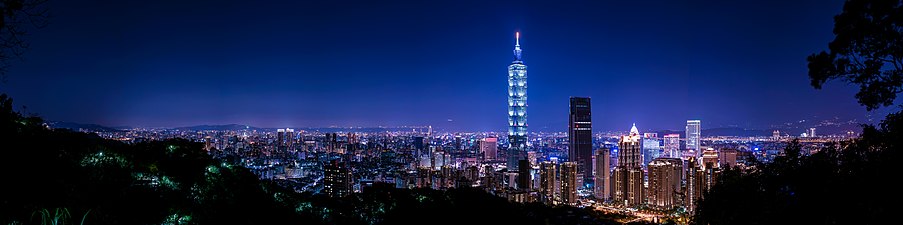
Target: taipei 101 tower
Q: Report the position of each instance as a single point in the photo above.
(517, 107)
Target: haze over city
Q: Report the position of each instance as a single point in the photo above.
(319, 64)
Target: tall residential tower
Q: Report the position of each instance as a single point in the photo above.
(627, 179)
(517, 107)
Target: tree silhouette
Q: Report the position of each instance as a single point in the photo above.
(867, 50)
(840, 183)
(16, 16)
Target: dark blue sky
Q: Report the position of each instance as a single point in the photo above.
(372, 63)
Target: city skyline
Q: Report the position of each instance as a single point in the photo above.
(302, 79)
(391, 112)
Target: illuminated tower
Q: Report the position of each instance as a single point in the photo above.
(693, 138)
(628, 175)
(517, 107)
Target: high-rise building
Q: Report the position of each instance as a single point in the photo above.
(628, 175)
(710, 174)
(331, 142)
(548, 172)
(280, 134)
(337, 180)
(580, 137)
(629, 154)
(524, 175)
(710, 158)
(517, 107)
(424, 177)
(285, 138)
(569, 183)
(672, 145)
(602, 175)
(812, 132)
(489, 147)
(728, 157)
(531, 157)
(693, 133)
(695, 184)
(419, 144)
(651, 148)
(664, 182)
(636, 191)
(458, 148)
(619, 185)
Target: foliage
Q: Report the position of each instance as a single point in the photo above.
(177, 182)
(58, 216)
(143, 183)
(867, 50)
(15, 16)
(384, 204)
(841, 184)
(844, 183)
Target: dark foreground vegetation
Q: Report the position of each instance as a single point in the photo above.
(101, 181)
(851, 183)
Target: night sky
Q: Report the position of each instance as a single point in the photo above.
(440, 63)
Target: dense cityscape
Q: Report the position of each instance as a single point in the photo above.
(384, 112)
(651, 175)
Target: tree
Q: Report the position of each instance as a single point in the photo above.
(16, 16)
(867, 50)
(837, 184)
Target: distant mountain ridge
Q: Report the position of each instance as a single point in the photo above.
(81, 126)
(218, 127)
(320, 129)
(831, 126)
(723, 131)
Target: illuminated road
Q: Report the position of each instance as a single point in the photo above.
(639, 215)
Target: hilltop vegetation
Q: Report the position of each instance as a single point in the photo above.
(176, 182)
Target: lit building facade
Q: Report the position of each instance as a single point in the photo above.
(628, 175)
(695, 184)
(629, 154)
(693, 133)
(664, 182)
(569, 183)
(337, 180)
(517, 107)
(285, 139)
(489, 147)
(671, 145)
(727, 157)
(547, 174)
(710, 158)
(651, 148)
(602, 175)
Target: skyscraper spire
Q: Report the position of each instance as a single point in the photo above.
(517, 109)
(517, 51)
(517, 40)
